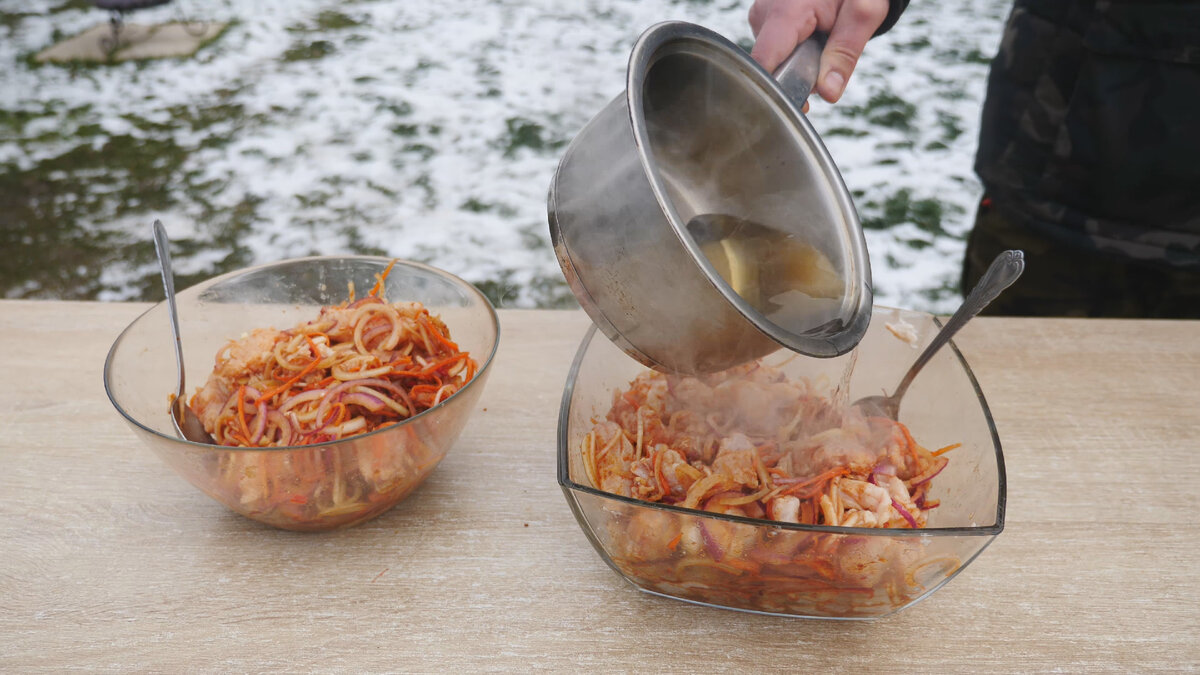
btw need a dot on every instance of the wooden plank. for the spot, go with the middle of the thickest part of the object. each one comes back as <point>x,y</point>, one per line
<point>109,561</point>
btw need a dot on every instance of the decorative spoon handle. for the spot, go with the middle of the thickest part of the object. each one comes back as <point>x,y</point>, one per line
<point>1003,271</point>
<point>164,258</point>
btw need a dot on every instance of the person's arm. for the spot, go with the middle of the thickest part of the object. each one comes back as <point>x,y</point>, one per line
<point>780,25</point>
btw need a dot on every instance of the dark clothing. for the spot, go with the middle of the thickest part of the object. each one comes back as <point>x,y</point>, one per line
<point>1066,280</point>
<point>895,9</point>
<point>1090,156</point>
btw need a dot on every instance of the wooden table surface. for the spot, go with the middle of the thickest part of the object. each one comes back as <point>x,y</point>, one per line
<point>110,562</point>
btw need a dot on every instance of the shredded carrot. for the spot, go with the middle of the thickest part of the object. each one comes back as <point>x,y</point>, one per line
<point>400,361</point>
<point>913,446</point>
<point>382,277</point>
<point>816,480</point>
<point>437,334</point>
<point>674,543</point>
<point>743,565</point>
<point>946,449</point>
<point>267,396</point>
<point>433,367</point>
<point>322,383</point>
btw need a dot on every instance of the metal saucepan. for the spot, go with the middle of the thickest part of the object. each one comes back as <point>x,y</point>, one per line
<point>699,219</point>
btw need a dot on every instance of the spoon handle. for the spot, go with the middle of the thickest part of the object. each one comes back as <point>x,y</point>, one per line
<point>164,259</point>
<point>1003,271</point>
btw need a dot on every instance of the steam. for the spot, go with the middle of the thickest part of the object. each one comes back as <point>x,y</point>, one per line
<point>735,172</point>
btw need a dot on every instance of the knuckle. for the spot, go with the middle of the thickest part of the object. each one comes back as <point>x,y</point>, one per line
<point>866,11</point>
<point>844,55</point>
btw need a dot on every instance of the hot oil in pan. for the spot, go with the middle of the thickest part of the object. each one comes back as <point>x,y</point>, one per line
<point>787,279</point>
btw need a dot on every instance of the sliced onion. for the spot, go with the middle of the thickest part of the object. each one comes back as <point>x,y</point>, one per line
<point>322,421</point>
<point>348,375</point>
<point>281,422</point>
<point>302,397</point>
<point>912,522</point>
<point>345,428</point>
<point>260,422</point>
<point>400,392</point>
<point>932,471</point>
<point>710,543</point>
<point>374,332</point>
<point>364,400</point>
<point>884,467</point>
<point>376,382</point>
<point>397,406</point>
<point>332,395</point>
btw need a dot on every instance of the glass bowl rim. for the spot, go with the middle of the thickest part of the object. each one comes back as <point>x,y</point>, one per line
<point>565,481</point>
<point>207,283</point>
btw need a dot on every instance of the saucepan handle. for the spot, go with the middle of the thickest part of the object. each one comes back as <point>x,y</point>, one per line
<point>797,75</point>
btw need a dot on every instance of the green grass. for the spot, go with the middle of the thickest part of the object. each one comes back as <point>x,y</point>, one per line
<point>326,21</point>
<point>476,205</point>
<point>72,5</point>
<point>12,122</point>
<point>335,20</point>
<point>12,20</point>
<point>501,291</point>
<point>68,202</point>
<point>885,109</point>
<point>846,131</point>
<point>81,197</point>
<point>914,46</point>
<point>72,206</point>
<point>950,125</point>
<point>523,133</point>
<point>900,207</point>
<point>308,51</point>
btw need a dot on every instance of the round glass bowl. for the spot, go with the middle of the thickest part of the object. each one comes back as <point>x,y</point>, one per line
<point>312,487</point>
<point>791,569</point>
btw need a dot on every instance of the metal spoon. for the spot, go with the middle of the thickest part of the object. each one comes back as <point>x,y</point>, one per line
<point>1003,271</point>
<point>186,423</point>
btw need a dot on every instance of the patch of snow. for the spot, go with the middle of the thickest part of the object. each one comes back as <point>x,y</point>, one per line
<point>406,119</point>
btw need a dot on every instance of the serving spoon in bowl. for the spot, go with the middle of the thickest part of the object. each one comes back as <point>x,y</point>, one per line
<point>1001,274</point>
<point>187,424</point>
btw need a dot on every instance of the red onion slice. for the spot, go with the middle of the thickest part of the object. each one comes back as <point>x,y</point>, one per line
<point>364,400</point>
<point>912,522</point>
<point>934,470</point>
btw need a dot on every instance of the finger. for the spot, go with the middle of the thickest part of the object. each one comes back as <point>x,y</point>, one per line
<point>779,35</point>
<point>856,22</point>
<point>755,17</point>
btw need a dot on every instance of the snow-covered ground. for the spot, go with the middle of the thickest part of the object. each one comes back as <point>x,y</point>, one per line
<point>427,131</point>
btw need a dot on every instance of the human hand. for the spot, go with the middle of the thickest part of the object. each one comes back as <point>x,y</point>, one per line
<point>780,25</point>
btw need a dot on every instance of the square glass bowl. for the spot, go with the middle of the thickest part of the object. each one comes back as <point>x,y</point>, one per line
<point>791,569</point>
